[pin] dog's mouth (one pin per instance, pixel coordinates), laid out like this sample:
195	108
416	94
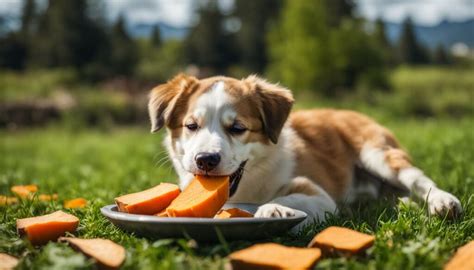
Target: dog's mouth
235	178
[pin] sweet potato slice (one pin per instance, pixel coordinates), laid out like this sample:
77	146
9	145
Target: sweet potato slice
163	213
75	203
24	191
202	198
107	254
342	240
233	213
150	201
463	259
274	256
4	200
41	229
7	262
47	198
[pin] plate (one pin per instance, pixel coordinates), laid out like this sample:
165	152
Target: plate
203	229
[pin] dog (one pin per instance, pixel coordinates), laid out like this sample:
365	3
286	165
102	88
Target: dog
306	160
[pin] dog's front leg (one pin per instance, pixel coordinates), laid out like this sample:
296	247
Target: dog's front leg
303	195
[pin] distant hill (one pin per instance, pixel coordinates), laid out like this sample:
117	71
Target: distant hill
167	31
446	33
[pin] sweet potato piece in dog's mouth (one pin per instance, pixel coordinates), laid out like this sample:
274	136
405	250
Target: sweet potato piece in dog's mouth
233	213
42	229
274	256
202	198
150	201
108	254
342	240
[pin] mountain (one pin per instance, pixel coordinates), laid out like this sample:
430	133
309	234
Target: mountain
446	33
167	31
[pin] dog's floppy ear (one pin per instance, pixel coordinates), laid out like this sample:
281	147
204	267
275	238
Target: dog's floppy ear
275	105
163	97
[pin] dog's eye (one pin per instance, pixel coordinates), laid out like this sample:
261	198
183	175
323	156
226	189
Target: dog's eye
192	127
237	128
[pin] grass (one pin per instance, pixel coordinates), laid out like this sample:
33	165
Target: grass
101	164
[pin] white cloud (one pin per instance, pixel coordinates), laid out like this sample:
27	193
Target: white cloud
425	12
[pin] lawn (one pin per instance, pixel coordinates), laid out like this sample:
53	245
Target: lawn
101	164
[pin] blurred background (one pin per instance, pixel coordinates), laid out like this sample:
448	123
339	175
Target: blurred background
89	63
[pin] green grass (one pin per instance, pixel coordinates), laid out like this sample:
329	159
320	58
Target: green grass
100	165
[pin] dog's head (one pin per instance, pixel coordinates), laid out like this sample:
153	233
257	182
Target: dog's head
217	125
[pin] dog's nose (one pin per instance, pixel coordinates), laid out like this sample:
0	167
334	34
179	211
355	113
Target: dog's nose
207	161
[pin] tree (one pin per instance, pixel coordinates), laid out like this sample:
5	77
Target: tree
156	37
410	51
440	56
379	33
209	45
308	53
256	17
124	51
28	18
338	10
67	36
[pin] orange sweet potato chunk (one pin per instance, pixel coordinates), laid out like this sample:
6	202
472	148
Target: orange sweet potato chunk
4	200
274	256
75	203
7	262
463	259
41	229
233	213
150	201
24	191
47	198
202	198
107	254
339	239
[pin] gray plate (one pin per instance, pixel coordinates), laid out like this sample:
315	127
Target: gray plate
203	229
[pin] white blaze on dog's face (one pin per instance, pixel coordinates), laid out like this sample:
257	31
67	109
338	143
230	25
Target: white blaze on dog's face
219	125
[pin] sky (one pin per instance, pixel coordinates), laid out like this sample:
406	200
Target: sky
178	12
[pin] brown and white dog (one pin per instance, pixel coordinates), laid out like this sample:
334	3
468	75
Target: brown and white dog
307	160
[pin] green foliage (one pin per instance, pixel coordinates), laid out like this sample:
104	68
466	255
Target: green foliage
159	64
156	37
308	54
124	55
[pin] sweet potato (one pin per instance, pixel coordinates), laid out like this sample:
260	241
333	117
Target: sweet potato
341	240
4	200
47	198
7	262
41	229
202	198
463	259
24	191
274	256
163	213
233	213
107	254
150	201
75	203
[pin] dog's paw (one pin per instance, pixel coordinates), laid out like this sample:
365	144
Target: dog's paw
274	210
442	203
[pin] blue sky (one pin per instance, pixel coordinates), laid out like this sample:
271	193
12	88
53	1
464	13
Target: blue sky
177	12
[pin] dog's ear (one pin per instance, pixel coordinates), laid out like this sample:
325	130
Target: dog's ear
163	98
275	104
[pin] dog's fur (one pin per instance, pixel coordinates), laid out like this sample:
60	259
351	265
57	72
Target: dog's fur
307	160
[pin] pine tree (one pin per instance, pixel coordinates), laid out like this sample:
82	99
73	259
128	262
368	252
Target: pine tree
380	34
209	45
156	37
124	52
256	17
440	56
410	51
28	18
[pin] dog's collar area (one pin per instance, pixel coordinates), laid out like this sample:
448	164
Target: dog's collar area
235	178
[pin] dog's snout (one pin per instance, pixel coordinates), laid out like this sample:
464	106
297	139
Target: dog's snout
207	161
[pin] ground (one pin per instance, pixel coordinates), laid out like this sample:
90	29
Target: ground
101	164
429	109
